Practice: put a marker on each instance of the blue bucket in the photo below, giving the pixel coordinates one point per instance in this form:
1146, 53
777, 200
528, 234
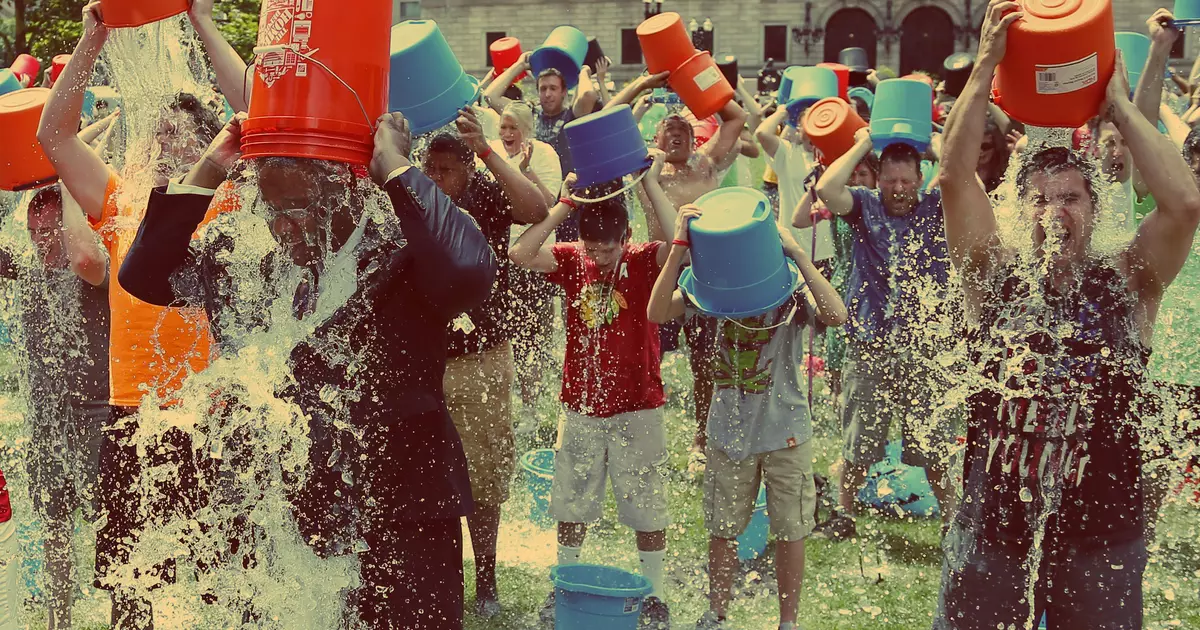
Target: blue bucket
902, 113
606, 146
427, 83
753, 542
539, 477
98, 93
806, 86
594, 597
1187, 12
738, 266
8, 81
564, 50
1135, 48
863, 93
907, 487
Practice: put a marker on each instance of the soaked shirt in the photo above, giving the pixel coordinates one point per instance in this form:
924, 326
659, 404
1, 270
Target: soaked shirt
486, 202
1054, 430
897, 263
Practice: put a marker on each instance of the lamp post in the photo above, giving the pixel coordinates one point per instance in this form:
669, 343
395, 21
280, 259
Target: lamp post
652, 8
889, 33
808, 36
702, 34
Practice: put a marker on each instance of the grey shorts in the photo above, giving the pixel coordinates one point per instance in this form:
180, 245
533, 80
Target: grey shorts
65, 461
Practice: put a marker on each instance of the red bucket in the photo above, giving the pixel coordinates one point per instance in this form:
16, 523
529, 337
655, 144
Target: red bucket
843, 77
701, 86
26, 67
127, 13
320, 83
505, 52
57, 65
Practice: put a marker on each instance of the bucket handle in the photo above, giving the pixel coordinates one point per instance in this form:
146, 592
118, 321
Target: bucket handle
622, 191
309, 56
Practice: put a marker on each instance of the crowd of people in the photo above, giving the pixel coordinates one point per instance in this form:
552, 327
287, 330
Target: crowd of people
485, 241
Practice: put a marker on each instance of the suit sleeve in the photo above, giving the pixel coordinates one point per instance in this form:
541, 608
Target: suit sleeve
452, 268
163, 247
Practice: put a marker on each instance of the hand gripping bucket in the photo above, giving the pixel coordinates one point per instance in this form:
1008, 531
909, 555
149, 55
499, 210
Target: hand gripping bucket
1059, 58
805, 87
9, 81
701, 86
902, 114
753, 542
26, 67
843, 77
606, 146
665, 42
564, 50
538, 467
738, 266
319, 83
23, 165
1187, 12
505, 52
428, 84
1135, 49
830, 125
128, 13
594, 597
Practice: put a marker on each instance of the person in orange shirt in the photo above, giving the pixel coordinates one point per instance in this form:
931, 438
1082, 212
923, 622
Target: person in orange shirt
153, 349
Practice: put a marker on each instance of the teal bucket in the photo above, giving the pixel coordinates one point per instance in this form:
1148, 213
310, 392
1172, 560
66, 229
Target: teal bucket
426, 82
806, 86
594, 597
864, 94
9, 81
564, 50
539, 476
753, 542
1135, 49
901, 113
1187, 12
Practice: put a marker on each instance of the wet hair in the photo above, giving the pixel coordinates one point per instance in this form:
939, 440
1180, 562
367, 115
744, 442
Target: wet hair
523, 116
604, 221
452, 144
551, 72
1191, 145
662, 124
899, 153
860, 106
994, 170
43, 199
513, 93
206, 121
1058, 160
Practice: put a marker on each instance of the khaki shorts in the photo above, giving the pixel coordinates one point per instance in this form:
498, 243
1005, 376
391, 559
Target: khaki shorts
731, 491
479, 397
630, 449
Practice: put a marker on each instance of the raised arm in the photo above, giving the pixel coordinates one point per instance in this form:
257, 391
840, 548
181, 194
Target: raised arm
528, 252
722, 147
227, 64
80, 168
662, 212
831, 310
87, 258
528, 204
834, 186
635, 88
586, 95
495, 90
801, 215
768, 131
602, 66
1177, 130
666, 302
1148, 95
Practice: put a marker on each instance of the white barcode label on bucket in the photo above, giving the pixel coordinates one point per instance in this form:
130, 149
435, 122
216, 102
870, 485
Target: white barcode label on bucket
1068, 77
708, 78
632, 604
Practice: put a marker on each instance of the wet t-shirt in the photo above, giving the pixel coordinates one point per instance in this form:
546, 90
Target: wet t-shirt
64, 323
486, 325
612, 360
550, 130
900, 265
1054, 428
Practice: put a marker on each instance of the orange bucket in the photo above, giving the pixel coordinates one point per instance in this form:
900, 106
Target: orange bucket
666, 44
319, 83
126, 13
23, 165
830, 125
1059, 59
505, 52
701, 85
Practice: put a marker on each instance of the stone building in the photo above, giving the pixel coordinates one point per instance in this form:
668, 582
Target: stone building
903, 35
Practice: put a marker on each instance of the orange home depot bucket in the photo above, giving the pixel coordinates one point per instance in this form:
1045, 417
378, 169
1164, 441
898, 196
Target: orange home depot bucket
830, 125
665, 42
701, 86
23, 165
505, 52
320, 80
125, 13
1059, 58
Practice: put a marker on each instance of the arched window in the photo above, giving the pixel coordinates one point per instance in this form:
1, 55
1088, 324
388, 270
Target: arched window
850, 28
926, 39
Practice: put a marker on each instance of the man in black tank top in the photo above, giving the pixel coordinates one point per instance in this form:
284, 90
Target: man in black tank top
1052, 513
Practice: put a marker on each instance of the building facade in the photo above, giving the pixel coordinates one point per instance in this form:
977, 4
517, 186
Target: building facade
903, 35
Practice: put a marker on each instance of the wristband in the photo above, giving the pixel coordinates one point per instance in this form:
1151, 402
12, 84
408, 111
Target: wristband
681, 243
568, 202
485, 154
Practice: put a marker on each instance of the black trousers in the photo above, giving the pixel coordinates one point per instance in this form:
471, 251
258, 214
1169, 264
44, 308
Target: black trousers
412, 577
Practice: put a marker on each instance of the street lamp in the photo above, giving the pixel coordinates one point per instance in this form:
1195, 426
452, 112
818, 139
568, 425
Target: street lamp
808, 36
702, 34
652, 8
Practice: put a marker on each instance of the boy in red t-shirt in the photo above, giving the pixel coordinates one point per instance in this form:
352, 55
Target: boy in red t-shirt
612, 389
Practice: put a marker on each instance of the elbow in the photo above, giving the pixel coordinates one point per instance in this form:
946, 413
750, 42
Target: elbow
92, 269
657, 315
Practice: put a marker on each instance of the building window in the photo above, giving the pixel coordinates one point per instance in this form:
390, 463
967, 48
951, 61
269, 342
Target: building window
403, 10
490, 38
631, 48
1178, 49
775, 42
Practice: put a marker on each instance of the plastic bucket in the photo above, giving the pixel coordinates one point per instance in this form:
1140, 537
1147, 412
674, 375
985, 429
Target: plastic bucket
26, 67
1059, 58
738, 267
9, 81
1135, 49
321, 77
807, 86
606, 146
564, 51
753, 542
23, 165
843, 77
96, 94
728, 65
428, 84
701, 86
594, 54
1187, 12
539, 476
863, 93
57, 65
956, 69
505, 52
125, 13
665, 42
830, 125
856, 59
902, 114
594, 597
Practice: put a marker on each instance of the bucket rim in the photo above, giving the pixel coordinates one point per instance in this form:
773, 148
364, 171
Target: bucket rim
426, 127
687, 284
617, 593
135, 23
286, 124
528, 465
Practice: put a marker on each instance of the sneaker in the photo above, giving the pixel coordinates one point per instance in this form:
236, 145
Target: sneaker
487, 608
547, 614
839, 527
710, 621
655, 615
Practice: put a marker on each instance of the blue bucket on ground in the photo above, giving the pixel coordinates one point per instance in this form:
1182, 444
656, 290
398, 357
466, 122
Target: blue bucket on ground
426, 83
902, 114
564, 50
1187, 12
806, 86
1135, 49
606, 146
892, 485
753, 542
9, 81
738, 266
594, 597
539, 476
863, 93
